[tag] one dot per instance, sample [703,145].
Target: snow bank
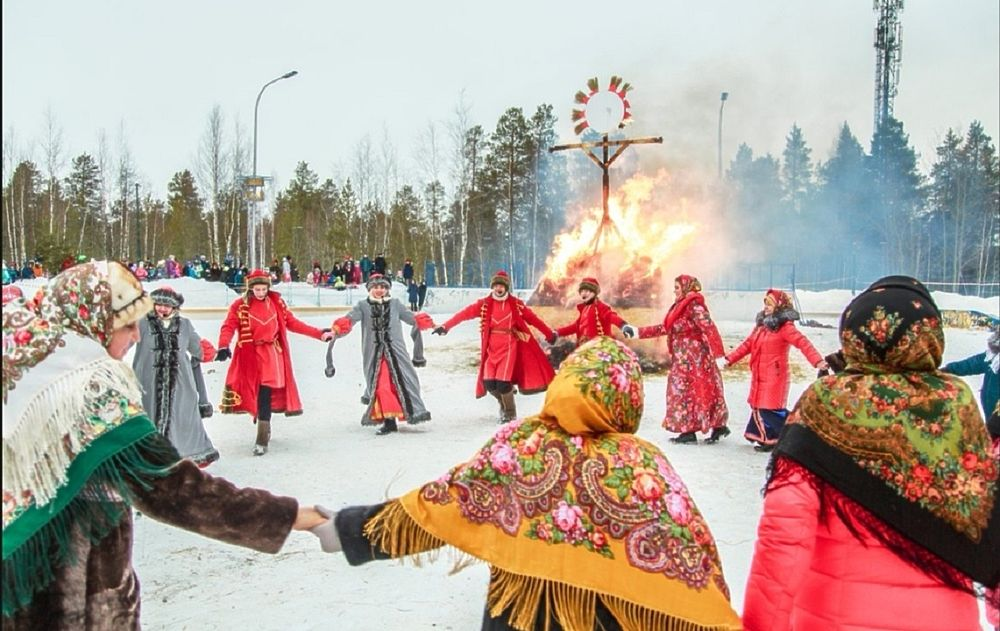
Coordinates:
[732,305]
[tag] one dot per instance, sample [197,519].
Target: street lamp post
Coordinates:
[138,226]
[722,104]
[252,224]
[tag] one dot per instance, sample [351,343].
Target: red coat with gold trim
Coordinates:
[242,380]
[595,319]
[532,372]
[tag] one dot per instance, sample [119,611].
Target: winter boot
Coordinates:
[687,438]
[717,433]
[388,426]
[508,408]
[263,437]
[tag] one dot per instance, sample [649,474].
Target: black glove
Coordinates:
[222,354]
[440,331]
[552,338]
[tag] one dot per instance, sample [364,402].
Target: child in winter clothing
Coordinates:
[595,317]
[412,294]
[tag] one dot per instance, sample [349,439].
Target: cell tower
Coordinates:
[888,55]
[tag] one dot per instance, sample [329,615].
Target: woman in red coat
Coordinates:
[260,379]
[695,399]
[509,355]
[595,318]
[882,507]
[768,346]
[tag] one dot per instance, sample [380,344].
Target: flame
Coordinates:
[627,252]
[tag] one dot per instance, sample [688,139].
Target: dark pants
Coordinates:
[264,403]
[496,387]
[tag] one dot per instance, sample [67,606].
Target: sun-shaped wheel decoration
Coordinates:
[603,111]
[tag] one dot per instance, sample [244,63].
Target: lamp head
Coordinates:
[289,75]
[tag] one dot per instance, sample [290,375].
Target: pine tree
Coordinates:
[83,189]
[796,171]
[184,230]
[508,165]
[898,196]
[845,236]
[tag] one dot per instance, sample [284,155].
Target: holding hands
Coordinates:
[722,363]
[440,330]
[629,331]
[326,531]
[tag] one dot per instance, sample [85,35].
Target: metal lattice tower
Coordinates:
[888,55]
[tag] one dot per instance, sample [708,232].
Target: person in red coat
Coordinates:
[595,318]
[260,379]
[768,346]
[695,398]
[510,356]
[882,507]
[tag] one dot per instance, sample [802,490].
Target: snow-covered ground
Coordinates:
[326,457]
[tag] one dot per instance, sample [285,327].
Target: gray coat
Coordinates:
[374,347]
[163,360]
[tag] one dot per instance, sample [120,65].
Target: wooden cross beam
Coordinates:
[605,164]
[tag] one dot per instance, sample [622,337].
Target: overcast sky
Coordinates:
[376,66]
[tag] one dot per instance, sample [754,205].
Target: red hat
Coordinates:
[502,278]
[258,277]
[591,284]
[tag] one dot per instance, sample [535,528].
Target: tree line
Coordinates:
[859,215]
[473,199]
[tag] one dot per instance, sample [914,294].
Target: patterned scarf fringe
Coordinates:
[397,534]
[95,512]
[40,449]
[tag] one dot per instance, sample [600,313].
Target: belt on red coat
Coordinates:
[277,345]
[521,335]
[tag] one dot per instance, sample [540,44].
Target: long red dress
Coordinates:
[695,398]
[261,355]
[509,351]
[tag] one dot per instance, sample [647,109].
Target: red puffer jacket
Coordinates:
[810,573]
[768,352]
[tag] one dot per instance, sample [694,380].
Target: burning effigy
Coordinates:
[628,250]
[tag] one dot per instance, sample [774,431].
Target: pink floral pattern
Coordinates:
[533,479]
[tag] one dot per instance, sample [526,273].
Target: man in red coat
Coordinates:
[596,317]
[260,379]
[510,355]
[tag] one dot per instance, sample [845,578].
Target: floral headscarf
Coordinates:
[569,507]
[899,437]
[781,300]
[90,299]
[688,284]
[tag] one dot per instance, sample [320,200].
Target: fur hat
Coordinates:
[167,296]
[258,277]
[591,284]
[378,280]
[129,301]
[501,278]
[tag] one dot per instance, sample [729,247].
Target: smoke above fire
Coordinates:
[658,226]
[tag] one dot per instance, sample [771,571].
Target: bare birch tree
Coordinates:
[211,173]
[55,160]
